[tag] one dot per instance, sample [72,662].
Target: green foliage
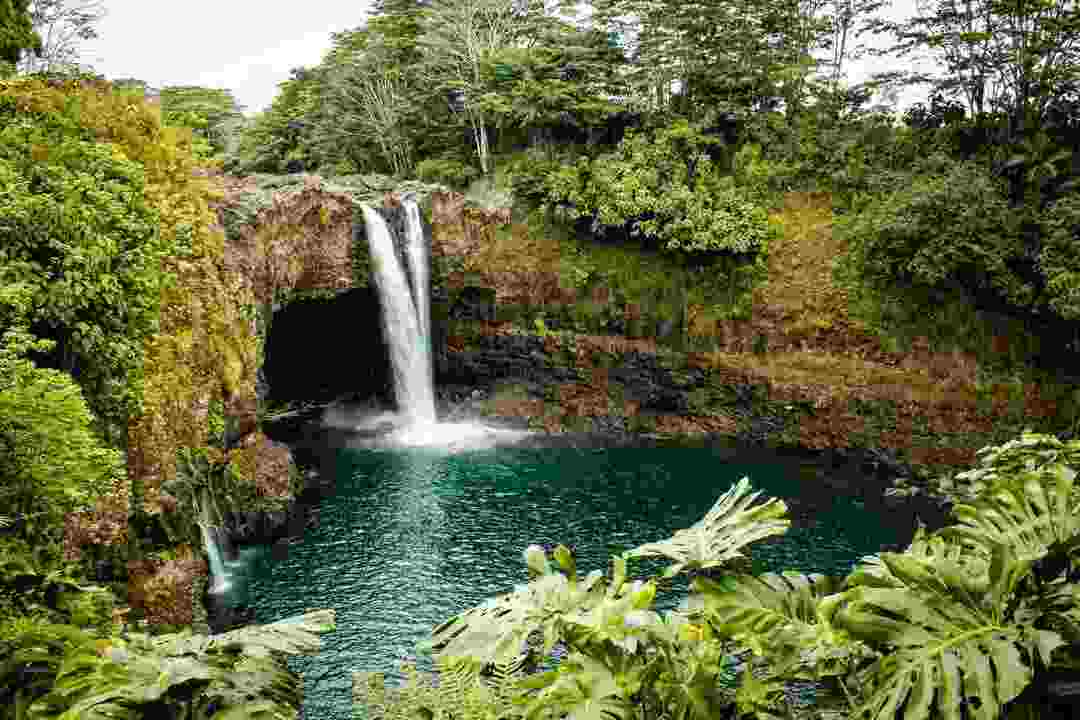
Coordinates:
[210,113]
[462,691]
[239,674]
[274,137]
[665,186]
[446,171]
[16,30]
[718,538]
[205,488]
[1059,261]
[963,618]
[31,652]
[34,584]
[760,179]
[80,250]
[51,460]
[945,228]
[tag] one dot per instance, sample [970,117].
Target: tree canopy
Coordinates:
[17,32]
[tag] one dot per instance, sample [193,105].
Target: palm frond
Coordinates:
[719,538]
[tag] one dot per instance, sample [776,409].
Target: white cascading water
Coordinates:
[407,330]
[219,583]
[418,265]
[410,352]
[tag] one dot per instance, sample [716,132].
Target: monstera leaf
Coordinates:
[114,678]
[496,630]
[964,566]
[718,538]
[787,617]
[298,635]
[947,640]
[1030,512]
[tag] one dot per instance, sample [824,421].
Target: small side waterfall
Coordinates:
[405,330]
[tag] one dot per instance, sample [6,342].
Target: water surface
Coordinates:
[412,537]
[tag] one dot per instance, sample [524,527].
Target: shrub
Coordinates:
[528,173]
[50,459]
[82,240]
[1059,261]
[950,227]
[665,186]
[761,179]
[446,171]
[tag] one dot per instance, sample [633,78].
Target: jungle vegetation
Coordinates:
[676,132]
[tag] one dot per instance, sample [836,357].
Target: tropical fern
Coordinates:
[719,538]
[460,692]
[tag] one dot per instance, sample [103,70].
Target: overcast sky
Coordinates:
[249,46]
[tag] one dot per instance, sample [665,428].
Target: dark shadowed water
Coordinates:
[409,538]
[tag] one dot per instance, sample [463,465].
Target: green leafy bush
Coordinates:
[84,676]
[446,171]
[51,460]
[1059,258]
[759,178]
[528,175]
[665,186]
[80,249]
[952,227]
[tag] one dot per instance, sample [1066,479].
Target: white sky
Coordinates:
[249,46]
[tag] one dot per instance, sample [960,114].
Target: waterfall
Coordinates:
[219,579]
[403,327]
[419,269]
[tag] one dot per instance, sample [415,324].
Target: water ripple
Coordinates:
[412,537]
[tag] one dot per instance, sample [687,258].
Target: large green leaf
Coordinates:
[733,523]
[1029,512]
[298,635]
[584,689]
[786,617]
[946,639]
[962,566]
[114,678]
[496,630]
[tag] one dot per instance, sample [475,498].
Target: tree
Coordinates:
[17,31]
[212,114]
[279,135]
[80,245]
[1012,56]
[62,25]
[712,54]
[367,90]
[458,37]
